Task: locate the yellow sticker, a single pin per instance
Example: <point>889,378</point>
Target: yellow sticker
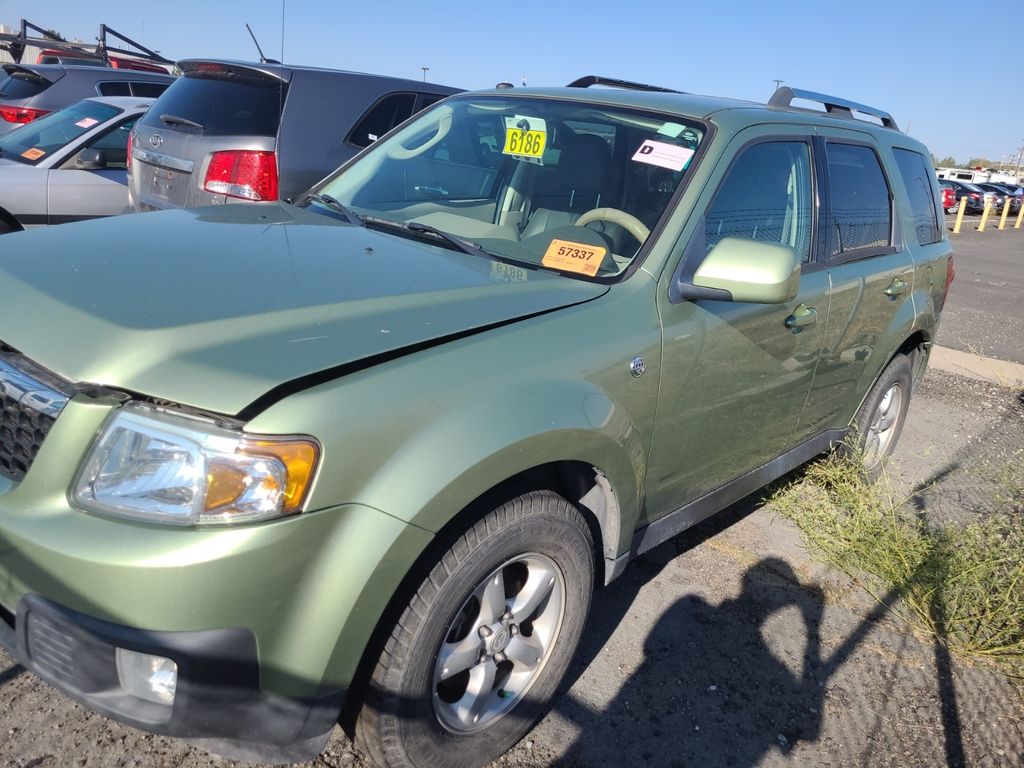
<point>574,257</point>
<point>33,154</point>
<point>522,143</point>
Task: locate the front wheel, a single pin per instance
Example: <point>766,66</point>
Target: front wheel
<point>473,660</point>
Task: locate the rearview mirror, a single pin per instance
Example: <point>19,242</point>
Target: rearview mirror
<point>738,269</point>
<point>92,159</point>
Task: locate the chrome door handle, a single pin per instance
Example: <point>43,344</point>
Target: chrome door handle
<point>896,288</point>
<point>802,317</point>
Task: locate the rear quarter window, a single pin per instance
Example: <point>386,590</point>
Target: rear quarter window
<point>233,105</point>
<point>917,180</point>
<point>860,211</point>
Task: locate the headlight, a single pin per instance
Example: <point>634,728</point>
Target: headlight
<point>150,465</point>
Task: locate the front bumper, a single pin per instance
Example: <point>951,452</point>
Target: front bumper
<point>217,697</point>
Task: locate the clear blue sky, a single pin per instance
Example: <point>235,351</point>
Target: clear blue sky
<point>899,55</point>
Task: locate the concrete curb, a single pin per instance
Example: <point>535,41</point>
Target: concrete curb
<point>1001,372</point>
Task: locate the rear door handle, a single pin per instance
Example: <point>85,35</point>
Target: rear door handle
<point>802,317</point>
<point>897,288</point>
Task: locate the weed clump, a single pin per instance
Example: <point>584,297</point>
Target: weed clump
<point>963,584</point>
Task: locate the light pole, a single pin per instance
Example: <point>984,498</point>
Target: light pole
<point>425,70</point>
<point>778,83</point>
<point>1020,156</point>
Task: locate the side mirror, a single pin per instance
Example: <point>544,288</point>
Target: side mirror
<point>737,269</point>
<point>92,160</point>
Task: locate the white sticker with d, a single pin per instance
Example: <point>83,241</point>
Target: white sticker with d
<point>663,155</point>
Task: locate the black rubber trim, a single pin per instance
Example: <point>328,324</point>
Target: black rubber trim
<point>674,523</point>
<point>281,391</point>
<point>218,695</point>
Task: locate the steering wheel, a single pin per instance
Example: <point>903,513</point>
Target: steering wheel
<point>627,221</point>
<point>444,124</point>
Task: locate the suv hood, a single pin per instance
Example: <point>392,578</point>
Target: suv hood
<point>214,307</point>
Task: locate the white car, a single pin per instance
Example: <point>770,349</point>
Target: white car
<point>69,165</point>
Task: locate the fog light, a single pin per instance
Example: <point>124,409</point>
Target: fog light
<point>149,677</point>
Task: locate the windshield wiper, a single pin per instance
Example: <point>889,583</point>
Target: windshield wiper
<point>175,120</point>
<point>425,229</point>
<point>335,205</point>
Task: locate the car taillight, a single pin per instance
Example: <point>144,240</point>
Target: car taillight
<point>128,151</point>
<point>950,274</point>
<point>246,174</point>
<point>21,114</point>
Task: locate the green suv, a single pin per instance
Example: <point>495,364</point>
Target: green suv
<point>364,458</point>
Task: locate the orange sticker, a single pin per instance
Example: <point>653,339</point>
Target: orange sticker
<point>574,257</point>
<point>33,154</point>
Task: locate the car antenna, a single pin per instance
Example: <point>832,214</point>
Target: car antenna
<point>263,59</point>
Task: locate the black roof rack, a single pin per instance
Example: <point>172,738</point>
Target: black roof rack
<point>588,80</point>
<point>47,39</point>
<point>783,99</point>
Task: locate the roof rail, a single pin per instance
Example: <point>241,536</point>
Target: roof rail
<point>588,80</point>
<point>783,99</point>
<point>16,45</point>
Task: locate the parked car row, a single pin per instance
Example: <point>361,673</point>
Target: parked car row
<point>221,132</point>
<point>978,196</point>
<point>363,456</point>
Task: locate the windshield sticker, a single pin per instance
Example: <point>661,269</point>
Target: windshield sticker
<point>574,257</point>
<point>87,122</point>
<point>33,154</point>
<point>663,155</point>
<point>525,138</point>
<point>508,273</point>
<point>671,129</point>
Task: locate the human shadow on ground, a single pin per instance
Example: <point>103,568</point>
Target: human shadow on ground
<point>710,691</point>
<point>713,689</point>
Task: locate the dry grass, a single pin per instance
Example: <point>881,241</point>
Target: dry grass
<point>963,584</point>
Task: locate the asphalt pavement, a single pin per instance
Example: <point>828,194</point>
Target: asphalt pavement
<point>984,313</point>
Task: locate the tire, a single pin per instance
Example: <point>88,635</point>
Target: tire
<point>954,209</point>
<point>419,713</point>
<point>876,427</point>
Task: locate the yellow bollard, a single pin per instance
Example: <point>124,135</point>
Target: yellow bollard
<point>984,215</point>
<point>960,215</point>
<point>1006,212</point>
<point>1020,217</point>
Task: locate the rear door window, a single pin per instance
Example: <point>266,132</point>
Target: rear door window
<point>917,179</point>
<point>860,206</point>
<point>224,104</point>
<point>148,90</point>
<point>381,118</point>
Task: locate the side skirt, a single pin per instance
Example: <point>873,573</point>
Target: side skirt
<point>674,523</point>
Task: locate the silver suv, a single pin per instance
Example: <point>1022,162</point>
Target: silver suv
<point>236,132</point>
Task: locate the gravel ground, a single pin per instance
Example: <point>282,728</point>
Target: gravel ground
<point>726,647</point>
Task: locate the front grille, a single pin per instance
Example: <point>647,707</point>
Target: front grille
<point>28,408</point>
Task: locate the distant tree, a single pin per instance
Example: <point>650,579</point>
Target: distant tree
<point>982,162</point>
<point>946,162</point>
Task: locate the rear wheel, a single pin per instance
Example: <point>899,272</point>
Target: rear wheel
<point>879,421</point>
<point>481,648</point>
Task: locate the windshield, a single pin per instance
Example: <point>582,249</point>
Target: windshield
<point>41,138</point>
<point>565,185</point>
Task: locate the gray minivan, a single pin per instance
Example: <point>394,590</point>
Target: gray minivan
<point>230,131</point>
